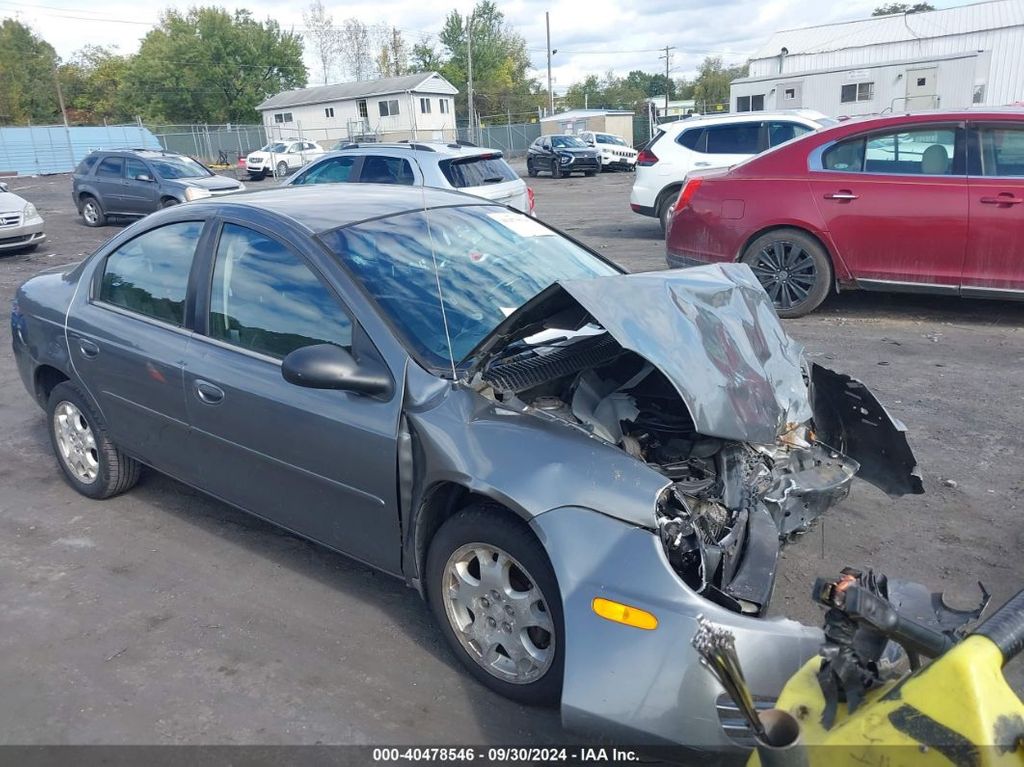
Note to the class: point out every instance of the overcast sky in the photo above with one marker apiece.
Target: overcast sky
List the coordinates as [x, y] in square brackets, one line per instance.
[591, 36]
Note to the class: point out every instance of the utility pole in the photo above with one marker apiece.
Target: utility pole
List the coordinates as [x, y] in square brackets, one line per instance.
[469, 57]
[667, 58]
[63, 114]
[551, 93]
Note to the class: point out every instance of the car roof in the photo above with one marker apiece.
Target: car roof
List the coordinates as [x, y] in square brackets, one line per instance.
[433, 148]
[145, 153]
[782, 114]
[322, 207]
[880, 122]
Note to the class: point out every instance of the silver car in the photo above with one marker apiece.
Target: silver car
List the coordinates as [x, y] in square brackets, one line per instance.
[473, 170]
[21, 226]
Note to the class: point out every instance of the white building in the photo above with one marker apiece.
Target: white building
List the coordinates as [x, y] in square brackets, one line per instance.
[419, 106]
[951, 58]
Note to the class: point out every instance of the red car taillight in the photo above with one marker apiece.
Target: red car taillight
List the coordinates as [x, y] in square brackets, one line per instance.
[691, 187]
[530, 201]
[646, 158]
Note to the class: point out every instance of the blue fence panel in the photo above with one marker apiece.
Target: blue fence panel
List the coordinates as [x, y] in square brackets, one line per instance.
[37, 150]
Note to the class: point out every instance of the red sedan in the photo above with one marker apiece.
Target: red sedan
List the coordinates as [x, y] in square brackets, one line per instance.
[929, 203]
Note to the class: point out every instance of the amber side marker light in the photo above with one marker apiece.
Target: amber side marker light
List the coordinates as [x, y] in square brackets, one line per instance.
[620, 613]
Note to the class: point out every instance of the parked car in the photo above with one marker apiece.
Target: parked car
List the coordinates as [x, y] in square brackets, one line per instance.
[570, 463]
[616, 153]
[561, 156]
[476, 171]
[281, 158]
[136, 182]
[926, 203]
[699, 143]
[21, 226]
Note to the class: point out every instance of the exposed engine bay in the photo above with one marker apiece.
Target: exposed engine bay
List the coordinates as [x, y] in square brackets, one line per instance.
[730, 504]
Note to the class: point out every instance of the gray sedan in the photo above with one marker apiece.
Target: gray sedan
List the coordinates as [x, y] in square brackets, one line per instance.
[569, 463]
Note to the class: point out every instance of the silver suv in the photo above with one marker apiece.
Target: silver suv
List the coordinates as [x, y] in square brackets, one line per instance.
[474, 170]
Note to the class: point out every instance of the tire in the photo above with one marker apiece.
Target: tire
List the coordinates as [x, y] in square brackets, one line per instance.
[168, 202]
[92, 211]
[28, 248]
[665, 205]
[590, 173]
[258, 176]
[600, 167]
[281, 170]
[556, 169]
[793, 268]
[530, 170]
[112, 472]
[494, 531]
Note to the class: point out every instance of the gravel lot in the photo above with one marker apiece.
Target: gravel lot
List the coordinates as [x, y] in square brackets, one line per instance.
[164, 617]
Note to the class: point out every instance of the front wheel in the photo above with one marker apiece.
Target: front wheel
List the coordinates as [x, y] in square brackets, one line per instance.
[530, 170]
[589, 173]
[282, 169]
[556, 169]
[793, 268]
[494, 594]
[92, 464]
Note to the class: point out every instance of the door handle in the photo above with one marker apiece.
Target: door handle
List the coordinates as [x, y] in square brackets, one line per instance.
[843, 195]
[88, 348]
[208, 393]
[1006, 198]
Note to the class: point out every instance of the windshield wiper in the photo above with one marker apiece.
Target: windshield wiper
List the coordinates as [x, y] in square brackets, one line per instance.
[493, 180]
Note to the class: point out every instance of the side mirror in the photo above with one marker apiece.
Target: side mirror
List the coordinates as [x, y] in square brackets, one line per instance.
[143, 177]
[326, 366]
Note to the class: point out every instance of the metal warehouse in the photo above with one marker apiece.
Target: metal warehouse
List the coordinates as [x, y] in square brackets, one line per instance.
[951, 58]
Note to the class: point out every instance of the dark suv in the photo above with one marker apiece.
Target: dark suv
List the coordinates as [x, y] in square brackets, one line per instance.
[135, 182]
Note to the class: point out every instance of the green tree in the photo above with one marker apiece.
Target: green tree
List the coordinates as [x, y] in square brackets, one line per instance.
[209, 65]
[27, 85]
[712, 84]
[500, 62]
[94, 84]
[392, 59]
[892, 8]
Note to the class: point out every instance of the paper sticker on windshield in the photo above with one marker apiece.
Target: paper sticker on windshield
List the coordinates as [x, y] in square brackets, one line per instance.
[524, 226]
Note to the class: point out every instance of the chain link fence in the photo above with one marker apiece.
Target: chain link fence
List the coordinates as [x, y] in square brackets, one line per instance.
[212, 144]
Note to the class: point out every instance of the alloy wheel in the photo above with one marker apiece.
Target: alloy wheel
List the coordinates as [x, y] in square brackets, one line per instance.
[786, 271]
[90, 212]
[76, 442]
[498, 613]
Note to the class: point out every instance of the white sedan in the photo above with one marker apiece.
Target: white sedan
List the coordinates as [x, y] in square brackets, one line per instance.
[615, 152]
[21, 226]
[280, 158]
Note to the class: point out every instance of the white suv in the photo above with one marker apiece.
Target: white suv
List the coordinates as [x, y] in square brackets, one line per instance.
[281, 157]
[699, 143]
[616, 154]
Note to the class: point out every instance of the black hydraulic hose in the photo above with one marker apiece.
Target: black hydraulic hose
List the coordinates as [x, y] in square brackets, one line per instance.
[1005, 627]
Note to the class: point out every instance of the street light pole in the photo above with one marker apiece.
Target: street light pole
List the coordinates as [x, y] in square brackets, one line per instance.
[469, 57]
[551, 93]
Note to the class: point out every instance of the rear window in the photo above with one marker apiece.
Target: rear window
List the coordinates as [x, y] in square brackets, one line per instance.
[86, 165]
[477, 171]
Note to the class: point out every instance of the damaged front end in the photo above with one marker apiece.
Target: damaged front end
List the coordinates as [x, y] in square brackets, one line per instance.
[692, 374]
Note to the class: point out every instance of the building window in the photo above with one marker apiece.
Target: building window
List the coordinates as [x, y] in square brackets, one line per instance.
[789, 94]
[388, 108]
[445, 106]
[425, 106]
[328, 111]
[283, 117]
[750, 103]
[855, 92]
[361, 108]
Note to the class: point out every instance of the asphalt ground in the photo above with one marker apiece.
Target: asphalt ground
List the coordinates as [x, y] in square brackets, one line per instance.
[162, 616]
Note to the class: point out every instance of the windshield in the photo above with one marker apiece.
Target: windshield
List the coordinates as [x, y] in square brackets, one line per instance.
[490, 261]
[179, 167]
[604, 138]
[272, 147]
[477, 171]
[566, 142]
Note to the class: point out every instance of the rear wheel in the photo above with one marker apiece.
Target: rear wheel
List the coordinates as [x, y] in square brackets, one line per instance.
[494, 594]
[92, 212]
[92, 464]
[793, 268]
[668, 197]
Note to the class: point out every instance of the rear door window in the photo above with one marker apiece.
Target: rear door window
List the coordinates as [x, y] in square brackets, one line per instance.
[739, 138]
[477, 171]
[110, 167]
[136, 168]
[386, 170]
[692, 139]
[781, 132]
[148, 275]
[86, 165]
[1002, 151]
[929, 151]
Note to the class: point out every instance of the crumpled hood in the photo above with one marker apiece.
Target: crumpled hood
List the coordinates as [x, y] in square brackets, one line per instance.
[711, 330]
